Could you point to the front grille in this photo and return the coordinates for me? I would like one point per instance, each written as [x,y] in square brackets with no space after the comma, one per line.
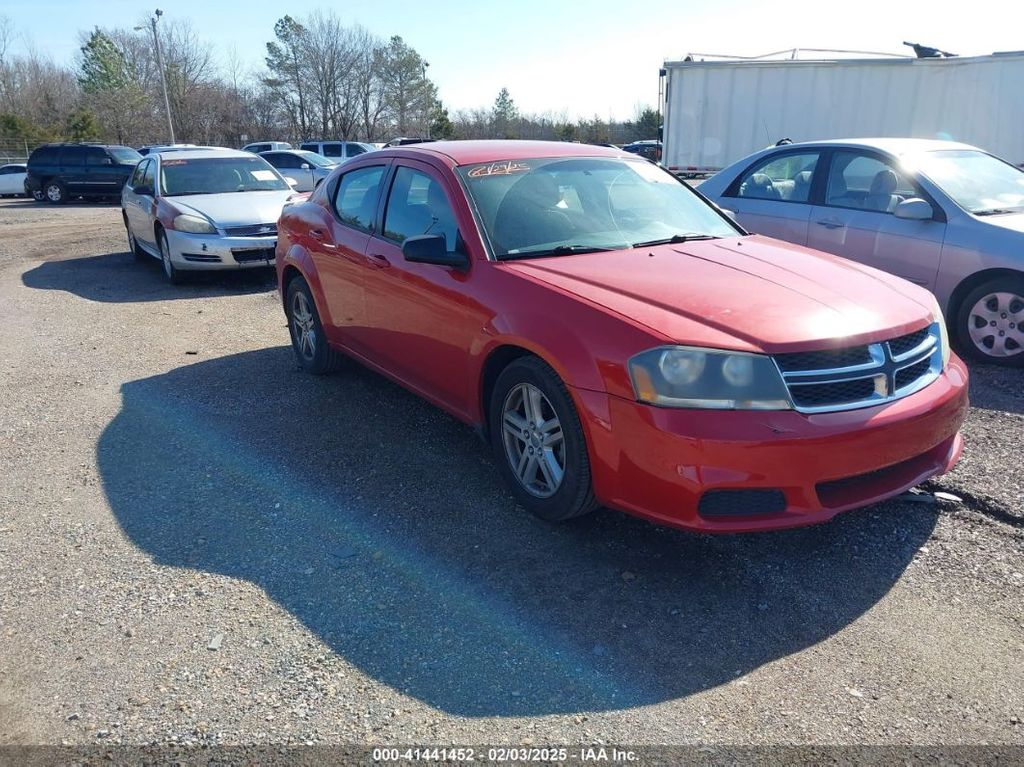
[862,376]
[253,230]
[909,342]
[741,503]
[838,392]
[827,358]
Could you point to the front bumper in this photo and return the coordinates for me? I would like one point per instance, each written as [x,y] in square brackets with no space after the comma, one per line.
[213,251]
[660,463]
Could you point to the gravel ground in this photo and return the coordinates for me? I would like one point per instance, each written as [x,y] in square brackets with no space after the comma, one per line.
[200,544]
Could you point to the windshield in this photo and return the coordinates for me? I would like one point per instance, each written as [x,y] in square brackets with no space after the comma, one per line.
[124,155]
[315,159]
[551,207]
[977,182]
[216,175]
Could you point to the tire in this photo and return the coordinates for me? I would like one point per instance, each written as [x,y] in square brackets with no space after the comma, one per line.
[309,342]
[38,196]
[989,322]
[55,192]
[133,245]
[516,430]
[173,274]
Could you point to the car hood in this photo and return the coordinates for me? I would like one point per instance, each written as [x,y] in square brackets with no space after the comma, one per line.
[234,208]
[1012,221]
[746,293]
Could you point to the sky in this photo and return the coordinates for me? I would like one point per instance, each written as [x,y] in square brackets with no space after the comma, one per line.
[578,58]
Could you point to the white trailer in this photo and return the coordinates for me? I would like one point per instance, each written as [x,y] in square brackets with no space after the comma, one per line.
[718,111]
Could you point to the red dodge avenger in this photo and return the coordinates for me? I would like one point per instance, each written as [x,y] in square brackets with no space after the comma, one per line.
[620,341]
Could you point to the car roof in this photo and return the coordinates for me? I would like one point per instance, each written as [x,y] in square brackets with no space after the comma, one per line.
[200,153]
[486,150]
[893,146]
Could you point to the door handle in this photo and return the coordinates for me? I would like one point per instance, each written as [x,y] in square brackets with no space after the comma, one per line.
[378,261]
[830,223]
[317,234]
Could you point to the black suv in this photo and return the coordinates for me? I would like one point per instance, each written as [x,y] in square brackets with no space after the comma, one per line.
[58,172]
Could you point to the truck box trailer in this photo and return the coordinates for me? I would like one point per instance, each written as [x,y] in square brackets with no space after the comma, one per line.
[718,111]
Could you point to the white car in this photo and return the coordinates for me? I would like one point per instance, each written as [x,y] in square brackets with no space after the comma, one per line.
[944,215]
[12,180]
[306,169]
[204,209]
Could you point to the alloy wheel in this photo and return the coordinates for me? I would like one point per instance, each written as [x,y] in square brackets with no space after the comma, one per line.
[54,193]
[303,326]
[533,439]
[996,324]
[165,258]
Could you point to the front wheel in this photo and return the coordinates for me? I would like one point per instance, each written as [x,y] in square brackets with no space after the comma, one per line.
[55,193]
[173,274]
[990,322]
[538,441]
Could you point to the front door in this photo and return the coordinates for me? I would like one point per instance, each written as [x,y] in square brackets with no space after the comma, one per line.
[140,208]
[418,312]
[773,197]
[856,219]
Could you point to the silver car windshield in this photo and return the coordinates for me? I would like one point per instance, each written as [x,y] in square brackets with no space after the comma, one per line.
[552,207]
[218,175]
[977,182]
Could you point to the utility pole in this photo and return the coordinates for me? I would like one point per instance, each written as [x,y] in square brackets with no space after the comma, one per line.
[430,101]
[160,65]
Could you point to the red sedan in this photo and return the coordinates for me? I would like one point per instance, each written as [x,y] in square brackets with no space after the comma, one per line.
[620,341]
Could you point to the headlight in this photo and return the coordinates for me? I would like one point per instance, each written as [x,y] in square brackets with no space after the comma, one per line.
[943,333]
[193,224]
[682,376]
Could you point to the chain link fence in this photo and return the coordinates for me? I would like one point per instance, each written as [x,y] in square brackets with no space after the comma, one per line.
[15,150]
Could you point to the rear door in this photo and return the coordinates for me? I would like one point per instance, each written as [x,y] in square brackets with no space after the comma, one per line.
[71,169]
[855,217]
[773,197]
[338,249]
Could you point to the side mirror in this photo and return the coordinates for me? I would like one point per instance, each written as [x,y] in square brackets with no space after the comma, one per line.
[304,166]
[291,181]
[914,209]
[432,249]
[143,189]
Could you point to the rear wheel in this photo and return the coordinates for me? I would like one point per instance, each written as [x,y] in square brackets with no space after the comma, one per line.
[309,341]
[990,322]
[538,441]
[55,192]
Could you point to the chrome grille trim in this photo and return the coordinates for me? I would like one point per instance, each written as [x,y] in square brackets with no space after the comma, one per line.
[881,371]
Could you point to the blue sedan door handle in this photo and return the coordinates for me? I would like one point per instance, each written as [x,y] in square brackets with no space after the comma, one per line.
[830,223]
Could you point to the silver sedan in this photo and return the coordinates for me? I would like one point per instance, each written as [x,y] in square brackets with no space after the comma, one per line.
[306,169]
[944,215]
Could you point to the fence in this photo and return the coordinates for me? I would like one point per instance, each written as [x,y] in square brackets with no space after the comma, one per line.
[15,150]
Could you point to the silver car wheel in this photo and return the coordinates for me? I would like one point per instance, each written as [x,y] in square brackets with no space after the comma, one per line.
[995,324]
[54,193]
[303,326]
[534,443]
[165,258]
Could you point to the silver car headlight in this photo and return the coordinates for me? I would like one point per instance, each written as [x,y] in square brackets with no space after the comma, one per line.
[193,224]
[943,333]
[693,377]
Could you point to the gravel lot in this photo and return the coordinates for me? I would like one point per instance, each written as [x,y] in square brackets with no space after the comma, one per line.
[200,544]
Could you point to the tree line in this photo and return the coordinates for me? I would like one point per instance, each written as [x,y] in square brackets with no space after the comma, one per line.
[321,79]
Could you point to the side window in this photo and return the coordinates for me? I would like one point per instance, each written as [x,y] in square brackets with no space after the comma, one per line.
[282,160]
[332,150]
[355,202]
[417,204]
[310,148]
[8,170]
[351,150]
[140,171]
[149,175]
[96,156]
[72,155]
[787,177]
[865,182]
[46,155]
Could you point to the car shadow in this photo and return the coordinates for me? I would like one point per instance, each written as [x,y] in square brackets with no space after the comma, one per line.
[995,387]
[382,525]
[121,278]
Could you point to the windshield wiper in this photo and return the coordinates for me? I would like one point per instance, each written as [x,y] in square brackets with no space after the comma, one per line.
[675,239]
[560,250]
[997,211]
